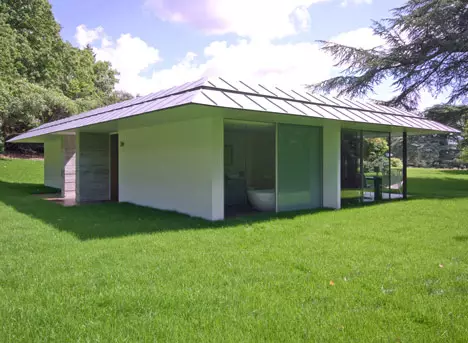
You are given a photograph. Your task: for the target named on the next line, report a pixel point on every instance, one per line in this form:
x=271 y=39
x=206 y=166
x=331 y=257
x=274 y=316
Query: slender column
x=361 y=163
x=389 y=166
x=405 y=165
x=217 y=168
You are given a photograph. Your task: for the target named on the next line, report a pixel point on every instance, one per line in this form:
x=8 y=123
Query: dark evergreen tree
x=426 y=48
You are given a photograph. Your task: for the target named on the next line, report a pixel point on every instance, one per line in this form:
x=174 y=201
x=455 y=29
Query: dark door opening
x=114 y=167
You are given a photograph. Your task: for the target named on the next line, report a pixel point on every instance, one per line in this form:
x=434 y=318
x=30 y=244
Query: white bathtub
x=262 y=199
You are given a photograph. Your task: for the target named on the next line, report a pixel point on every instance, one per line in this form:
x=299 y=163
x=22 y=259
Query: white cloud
x=247 y=59
x=363 y=38
x=345 y=3
x=85 y=36
x=265 y=19
x=251 y=61
x=129 y=55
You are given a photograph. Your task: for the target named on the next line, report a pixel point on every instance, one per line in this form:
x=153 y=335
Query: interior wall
x=175 y=166
x=53 y=162
x=249 y=161
x=235 y=164
x=235 y=167
x=261 y=159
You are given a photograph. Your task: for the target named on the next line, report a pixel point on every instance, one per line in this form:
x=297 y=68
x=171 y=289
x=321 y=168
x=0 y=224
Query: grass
x=120 y=273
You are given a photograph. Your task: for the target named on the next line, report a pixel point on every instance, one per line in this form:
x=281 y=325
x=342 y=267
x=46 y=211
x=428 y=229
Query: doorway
x=114 y=167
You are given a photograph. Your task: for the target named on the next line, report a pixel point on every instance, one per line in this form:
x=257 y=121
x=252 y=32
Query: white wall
x=53 y=162
x=174 y=166
x=331 y=165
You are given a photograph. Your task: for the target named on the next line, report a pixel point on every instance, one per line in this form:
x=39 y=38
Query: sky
x=156 y=44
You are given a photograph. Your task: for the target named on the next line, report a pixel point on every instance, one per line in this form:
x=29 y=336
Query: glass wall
x=351 y=164
x=396 y=163
x=376 y=165
x=299 y=167
x=249 y=167
x=371 y=166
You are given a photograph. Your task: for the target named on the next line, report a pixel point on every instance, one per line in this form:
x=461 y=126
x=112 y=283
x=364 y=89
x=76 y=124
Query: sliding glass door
x=299 y=164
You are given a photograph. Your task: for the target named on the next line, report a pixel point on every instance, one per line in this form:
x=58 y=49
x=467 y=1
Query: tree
x=118 y=96
x=464 y=144
x=8 y=50
x=454 y=116
x=24 y=105
x=426 y=47
x=105 y=78
x=37 y=39
x=42 y=77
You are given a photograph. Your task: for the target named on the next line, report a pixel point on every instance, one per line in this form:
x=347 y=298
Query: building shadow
x=108 y=220
x=461 y=238
x=438 y=187
x=455 y=172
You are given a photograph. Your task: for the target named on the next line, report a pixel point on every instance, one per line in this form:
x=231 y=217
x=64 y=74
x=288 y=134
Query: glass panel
x=351 y=160
x=299 y=167
x=396 y=162
x=249 y=167
x=376 y=166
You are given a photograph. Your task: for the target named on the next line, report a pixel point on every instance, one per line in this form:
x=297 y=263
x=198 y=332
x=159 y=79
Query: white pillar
x=331 y=165
x=217 y=178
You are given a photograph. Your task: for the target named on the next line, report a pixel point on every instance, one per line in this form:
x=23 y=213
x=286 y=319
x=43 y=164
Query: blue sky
x=327 y=19
x=156 y=44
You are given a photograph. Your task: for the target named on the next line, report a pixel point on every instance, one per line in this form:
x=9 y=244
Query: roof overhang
x=243 y=98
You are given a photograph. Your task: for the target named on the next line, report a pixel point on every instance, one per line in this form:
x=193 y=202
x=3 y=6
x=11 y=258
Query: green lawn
x=121 y=273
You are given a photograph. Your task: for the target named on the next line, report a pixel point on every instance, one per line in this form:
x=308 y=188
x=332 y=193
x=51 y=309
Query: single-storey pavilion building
x=213 y=148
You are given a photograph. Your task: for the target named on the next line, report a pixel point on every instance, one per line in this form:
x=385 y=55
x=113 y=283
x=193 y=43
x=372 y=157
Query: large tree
x=42 y=77
x=426 y=48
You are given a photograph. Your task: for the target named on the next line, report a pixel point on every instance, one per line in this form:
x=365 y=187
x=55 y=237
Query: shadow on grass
x=461 y=238
x=455 y=172
x=107 y=220
x=438 y=187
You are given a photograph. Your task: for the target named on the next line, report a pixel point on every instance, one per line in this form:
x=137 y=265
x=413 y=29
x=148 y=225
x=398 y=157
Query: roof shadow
x=455 y=171
x=431 y=188
x=461 y=238
x=109 y=220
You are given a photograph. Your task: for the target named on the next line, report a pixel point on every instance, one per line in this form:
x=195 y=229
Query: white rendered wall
x=331 y=165
x=53 y=163
x=174 y=166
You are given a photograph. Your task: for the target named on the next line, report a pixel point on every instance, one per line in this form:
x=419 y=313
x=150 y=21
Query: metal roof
x=219 y=92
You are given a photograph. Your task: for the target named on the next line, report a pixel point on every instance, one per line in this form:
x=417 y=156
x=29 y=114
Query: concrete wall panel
x=92 y=167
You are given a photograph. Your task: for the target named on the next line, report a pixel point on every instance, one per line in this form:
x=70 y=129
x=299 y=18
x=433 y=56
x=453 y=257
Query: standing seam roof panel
x=238 y=94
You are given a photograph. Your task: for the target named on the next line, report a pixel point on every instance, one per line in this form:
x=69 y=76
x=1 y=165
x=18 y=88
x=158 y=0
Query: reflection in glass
x=351 y=177
x=299 y=187
x=376 y=166
x=395 y=186
x=371 y=166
